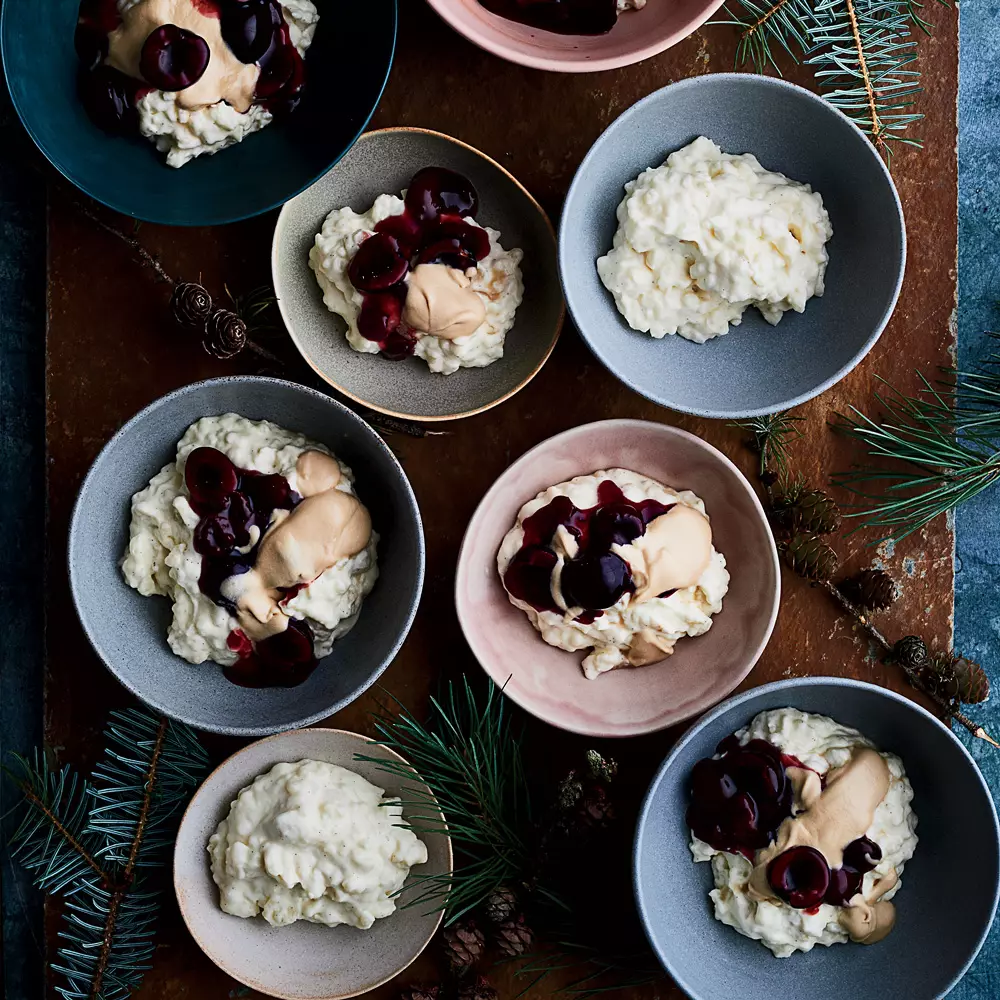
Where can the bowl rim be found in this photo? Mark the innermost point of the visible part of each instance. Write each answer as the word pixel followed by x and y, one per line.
pixel 152 215
pixel 402 414
pixel 792 684
pixel 527 458
pixel 167 710
pixel 743 80
pixel 366 741
pixel 515 54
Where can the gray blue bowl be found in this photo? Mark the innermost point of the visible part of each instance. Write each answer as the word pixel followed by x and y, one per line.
pixel 950 887
pixel 260 173
pixel 755 368
pixel 128 631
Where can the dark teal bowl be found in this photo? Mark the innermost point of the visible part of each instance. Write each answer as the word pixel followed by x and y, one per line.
pixel 344 82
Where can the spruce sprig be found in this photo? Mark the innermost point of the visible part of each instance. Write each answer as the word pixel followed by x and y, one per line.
pixel 927 453
pixel 92 842
pixel 863 54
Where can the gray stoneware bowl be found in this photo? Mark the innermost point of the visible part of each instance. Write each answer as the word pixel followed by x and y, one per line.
pixel 128 631
pixel 302 961
pixel 383 162
pixel 755 368
pixel 950 887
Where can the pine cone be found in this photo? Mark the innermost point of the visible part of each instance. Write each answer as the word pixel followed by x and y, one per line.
pixel 464 944
pixel 514 937
pixel 955 678
pixel 601 768
pixel 477 989
pixel 871 589
pixel 811 557
pixel 421 991
pixel 191 304
pixel 570 791
pixel 225 334
pixel 910 651
pixel 800 509
pixel 501 905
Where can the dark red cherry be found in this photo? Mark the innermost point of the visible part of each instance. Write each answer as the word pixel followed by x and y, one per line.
pixel 214 537
pixel 845 883
pixel 617 523
pixel 91 44
pixel 744 819
pixel 210 478
pixel 800 876
pixel 710 784
pixel 404 229
pixel 862 855
pixel 109 99
pixel 380 315
pixel 173 58
pixel 240 514
pixel 282 74
pixel 267 493
pixel 474 240
pixel 436 191
pixel 529 576
pixel 595 581
pixel 378 264
pixel 248 27
pixel 445 252
pixel 286 650
pixel 399 345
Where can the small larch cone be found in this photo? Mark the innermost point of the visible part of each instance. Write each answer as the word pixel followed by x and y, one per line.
pixel 501 905
pixel 477 989
pixel 514 937
pixel 191 304
pixel 910 651
pixel 956 678
pixel 225 334
pixel 810 557
pixel 806 510
pixel 420 991
pixel 464 944
pixel 871 589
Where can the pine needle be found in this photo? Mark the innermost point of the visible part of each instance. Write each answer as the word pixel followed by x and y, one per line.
pixel 771 436
pixel 91 841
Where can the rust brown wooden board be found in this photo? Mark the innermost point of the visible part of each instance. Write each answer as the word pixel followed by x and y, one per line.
pixel 112 349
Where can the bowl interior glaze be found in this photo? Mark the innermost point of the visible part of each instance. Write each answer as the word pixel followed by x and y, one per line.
pixel 755 368
pixel 128 631
pixel 949 892
pixel 260 173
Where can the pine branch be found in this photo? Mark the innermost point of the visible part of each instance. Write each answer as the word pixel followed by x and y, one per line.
pixel 770 437
pixel 89 841
pixel 784 23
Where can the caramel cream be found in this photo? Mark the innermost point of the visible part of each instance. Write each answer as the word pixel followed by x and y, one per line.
pixel 673 553
pixel 440 301
pixel 649 646
pixel 327 526
pixel 225 78
pixel 832 817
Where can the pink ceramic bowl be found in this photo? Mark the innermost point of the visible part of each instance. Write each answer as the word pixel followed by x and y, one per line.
pixel 549 682
pixel 638 35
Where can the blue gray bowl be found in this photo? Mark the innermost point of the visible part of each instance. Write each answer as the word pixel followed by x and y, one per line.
pixel 128 631
pixel 755 368
pixel 950 887
pixel 258 174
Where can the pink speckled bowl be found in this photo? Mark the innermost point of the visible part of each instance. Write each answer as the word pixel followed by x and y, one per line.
pixel 638 35
pixel 549 682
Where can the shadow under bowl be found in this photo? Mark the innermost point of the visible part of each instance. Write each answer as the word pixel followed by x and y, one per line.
pixel 755 368
pixel 128 631
pixel 950 887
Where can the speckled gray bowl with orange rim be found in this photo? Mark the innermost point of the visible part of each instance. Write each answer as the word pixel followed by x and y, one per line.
pixel 302 961
pixel 383 161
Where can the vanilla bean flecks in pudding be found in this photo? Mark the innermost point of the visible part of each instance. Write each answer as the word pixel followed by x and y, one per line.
pixel 193 76
pixel 313 841
pixel 807 827
pixel 257 537
pixel 707 235
pixel 615 563
pixel 417 275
